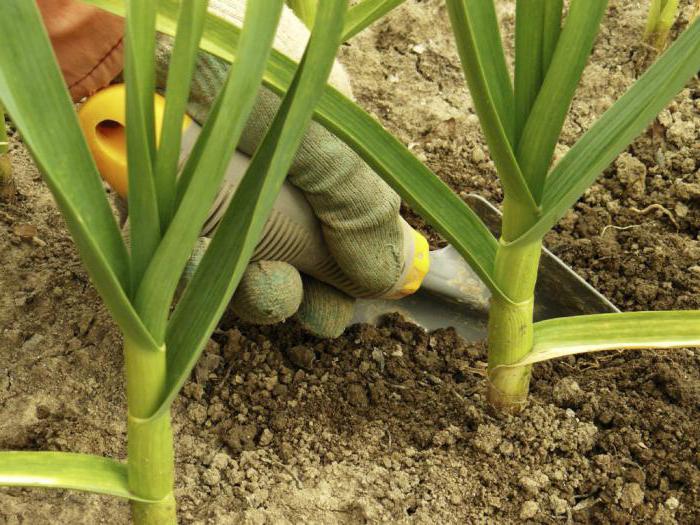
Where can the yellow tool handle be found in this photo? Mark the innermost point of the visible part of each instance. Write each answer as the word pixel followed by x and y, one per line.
pixel 291 234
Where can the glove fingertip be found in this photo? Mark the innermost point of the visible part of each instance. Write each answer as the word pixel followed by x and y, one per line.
pixel 270 292
pixel 325 311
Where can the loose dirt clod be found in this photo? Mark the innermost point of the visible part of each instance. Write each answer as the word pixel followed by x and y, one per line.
pixel 301 356
pixel 632 496
pixel 529 510
pixel 25 231
pixel 567 393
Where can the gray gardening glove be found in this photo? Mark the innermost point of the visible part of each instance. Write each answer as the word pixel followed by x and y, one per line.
pixel 358 211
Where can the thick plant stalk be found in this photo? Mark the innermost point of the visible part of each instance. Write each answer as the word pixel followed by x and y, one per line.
pixel 7 185
pixel 510 330
pixel 150 442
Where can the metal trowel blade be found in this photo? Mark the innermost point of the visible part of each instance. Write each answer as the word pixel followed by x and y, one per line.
pixel 452 295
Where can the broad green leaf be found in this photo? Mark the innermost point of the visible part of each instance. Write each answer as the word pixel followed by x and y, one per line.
pixel 189 31
pixel 537 29
pixel 417 185
pixel 529 42
pixel 34 93
pixel 364 14
pixel 620 331
pixel 478 42
pixel 206 169
pixel 139 74
pixel 552 30
pixel 476 21
pixel 65 470
pixel 546 118
pixel 212 286
pixel 616 129
pixel 185 177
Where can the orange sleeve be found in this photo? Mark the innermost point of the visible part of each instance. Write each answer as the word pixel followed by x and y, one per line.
pixel 87 42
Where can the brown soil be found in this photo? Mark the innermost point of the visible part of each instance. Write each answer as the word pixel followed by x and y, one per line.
pixel 389 424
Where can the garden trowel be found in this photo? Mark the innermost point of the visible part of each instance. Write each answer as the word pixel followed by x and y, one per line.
pixel 453 295
pixel 436 288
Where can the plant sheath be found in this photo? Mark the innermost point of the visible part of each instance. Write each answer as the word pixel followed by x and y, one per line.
pixel 150 464
pixel 510 327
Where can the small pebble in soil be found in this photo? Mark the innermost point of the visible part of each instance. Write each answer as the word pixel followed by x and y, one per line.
pixel 378 357
pixel 299 377
pixel 418 49
pixel 681 210
pixel 197 413
pixel 32 343
pixel 672 503
pixel 447 437
pixel 529 510
pixel 209 362
pixel 265 438
pixel 220 461
pixel 632 174
pixel 478 155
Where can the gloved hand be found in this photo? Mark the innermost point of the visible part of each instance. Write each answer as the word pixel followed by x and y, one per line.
pixel 358 211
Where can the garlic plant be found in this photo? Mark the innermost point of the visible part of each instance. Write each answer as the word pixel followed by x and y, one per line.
pixel 167 213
